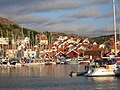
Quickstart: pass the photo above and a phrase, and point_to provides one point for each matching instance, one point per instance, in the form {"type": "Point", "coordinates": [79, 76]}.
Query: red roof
{"type": "Point", "coordinates": [42, 36]}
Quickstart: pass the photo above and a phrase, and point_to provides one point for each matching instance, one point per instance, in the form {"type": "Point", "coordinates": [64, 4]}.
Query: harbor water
{"type": "Point", "coordinates": [53, 77]}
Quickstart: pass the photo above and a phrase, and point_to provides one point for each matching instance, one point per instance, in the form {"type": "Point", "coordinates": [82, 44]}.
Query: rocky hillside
{"type": "Point", "coordinates": [6, 22]}
{"type": "Point", "coordinates": [7, 28]}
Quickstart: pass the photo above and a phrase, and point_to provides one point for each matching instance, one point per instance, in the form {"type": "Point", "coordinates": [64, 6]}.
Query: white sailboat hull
{"type": "Point", "coordinates": [101, 72]}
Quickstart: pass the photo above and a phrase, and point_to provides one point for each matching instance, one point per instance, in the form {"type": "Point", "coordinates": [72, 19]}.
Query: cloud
{"type": "Point", "coordinates": [25, 7]}
{"type": "Point", "coordinates": [28, 13]}
{"type": "Point", "coordinates": [75, 28]}
{"type": "Point", "coordinates": [98, 2]}
{"type": "Point", "coordinates": [108, 15]}
{"type": "Point", "coordinates": [29, 19]}
{"type": "Point", "coordinates": [59, 21]}
{"type": "Point", "coordinates": [18, 7]}
{"type": "Point", "coordinates": [86, 13]}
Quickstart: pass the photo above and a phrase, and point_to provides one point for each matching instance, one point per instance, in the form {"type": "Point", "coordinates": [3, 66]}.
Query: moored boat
{"type": "Point", "coordinates": [49, 62]}
{"type": "Point", "coordinates": [103, 68]}
{"type": "Point", "coordinates": [84, 62]}
{"type": "Point", "coordinates": [72, 74]}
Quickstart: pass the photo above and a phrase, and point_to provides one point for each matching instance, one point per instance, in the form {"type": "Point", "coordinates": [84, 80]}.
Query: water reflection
{"type": "Point", "coordinates": [41, 70]}
{"type": "Point", "coordinates": [99, 79]}
{"type": "Point", "coordinates": [99, 83]}
{"type": "Point", "coordinates": [42, 77]}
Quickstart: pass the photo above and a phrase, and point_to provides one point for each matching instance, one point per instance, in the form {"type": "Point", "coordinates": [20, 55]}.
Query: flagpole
{"type": "Point", "coordinates": [114, 26]}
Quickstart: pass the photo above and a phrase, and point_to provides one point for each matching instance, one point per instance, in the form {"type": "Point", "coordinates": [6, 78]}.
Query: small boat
{"type": "Point", "coordinates": [84, 62]}
{"type": "Point", "coordinates": [73, 62]}
{"type": "Point", "coordinates": [50, 62]}
{"type": "Point", "coordinates": [4, 61]}
{"type": "Point", "coordinates": [13, 61]}
{"type": "Point", "coordinates": [63, 62]}
{"type": "Point", "coordinates": [72, 74]}
{"type": "Point", "coordinates": [79, 61]}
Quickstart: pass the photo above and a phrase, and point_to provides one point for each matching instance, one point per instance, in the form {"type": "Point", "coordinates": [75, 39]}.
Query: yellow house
{"type": "Point", "coordinates": [11, 53]}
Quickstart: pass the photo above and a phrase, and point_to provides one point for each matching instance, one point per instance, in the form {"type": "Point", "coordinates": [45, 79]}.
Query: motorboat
{"type": "Point", "coordinates": [13, 61]}
{"type": "Point", "coordinates": [4, 60]}
{"type": "Point", "coordinates": [63, 60]}
{"type": "Point", "coordinates": [79, 61]}
{"type": "Point", "coordinates": [50, 62]}
{"type": "Point", "coordinates": [103, 68]}
{"type": "Point", "coordinates": [72, 74]}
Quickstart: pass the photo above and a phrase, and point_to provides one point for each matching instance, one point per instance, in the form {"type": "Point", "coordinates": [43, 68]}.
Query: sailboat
{"type": "Point", "coordinates": [105, 67]}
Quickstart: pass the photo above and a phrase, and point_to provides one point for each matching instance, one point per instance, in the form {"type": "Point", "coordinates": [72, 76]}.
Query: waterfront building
{"type": "Point", "coordinates": [42, 39]}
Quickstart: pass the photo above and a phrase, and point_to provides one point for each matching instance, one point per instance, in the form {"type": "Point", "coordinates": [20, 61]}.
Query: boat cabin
{"type": "Point", "coordinates": [103, 62]}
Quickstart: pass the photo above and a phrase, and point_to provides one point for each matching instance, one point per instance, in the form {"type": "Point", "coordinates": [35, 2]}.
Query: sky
{"type": "Point", "coordinates": [83, 17]}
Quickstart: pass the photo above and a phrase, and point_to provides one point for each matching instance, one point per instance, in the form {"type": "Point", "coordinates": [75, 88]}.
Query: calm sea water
{"type": "Point", "coordinates": [53, 78]}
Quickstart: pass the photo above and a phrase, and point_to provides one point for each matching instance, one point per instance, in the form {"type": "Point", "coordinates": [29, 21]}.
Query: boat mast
{"type": "Point", "coordinates": [114, 26]}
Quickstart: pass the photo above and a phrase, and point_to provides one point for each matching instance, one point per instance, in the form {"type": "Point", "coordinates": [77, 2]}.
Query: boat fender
{"type": "Point", "coordinates": [107, 67]}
